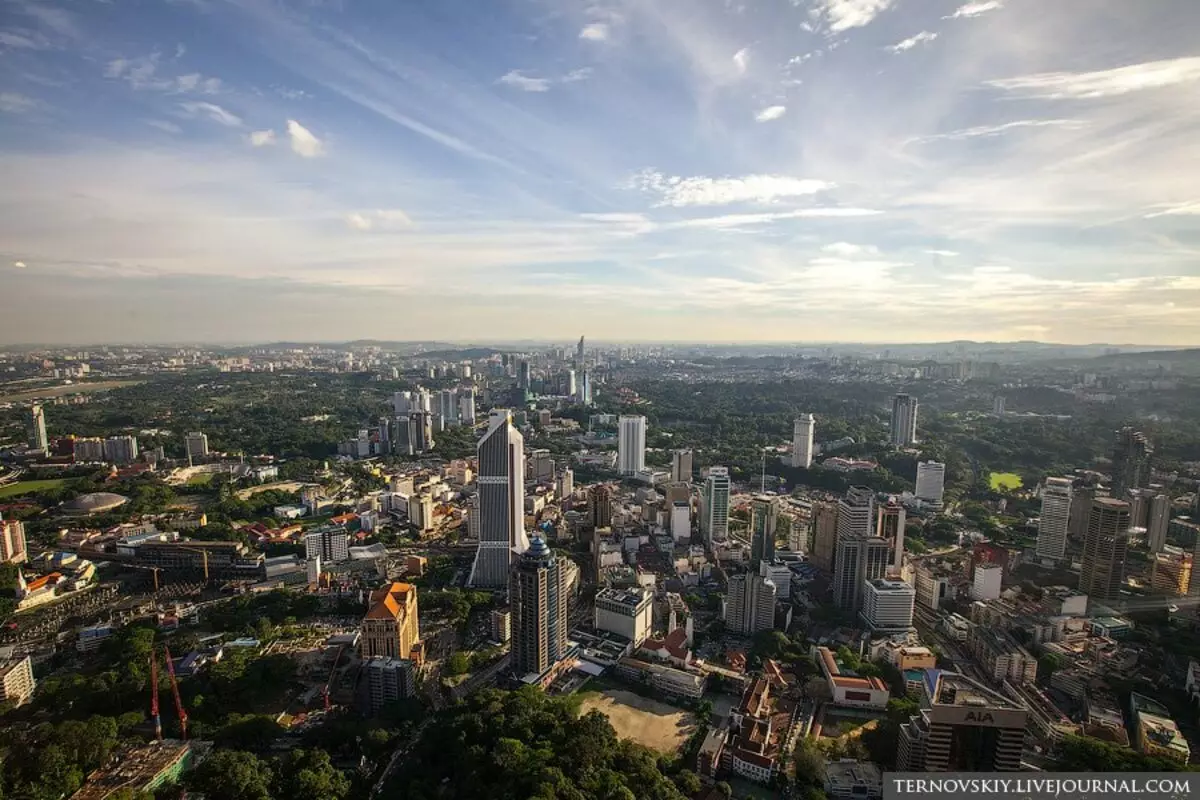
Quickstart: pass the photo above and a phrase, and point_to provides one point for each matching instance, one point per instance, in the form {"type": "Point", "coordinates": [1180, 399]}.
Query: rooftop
{"type": "Point", "coordinates": [390, 603]}
{"type": "Point", "coordinates": [626, 597]}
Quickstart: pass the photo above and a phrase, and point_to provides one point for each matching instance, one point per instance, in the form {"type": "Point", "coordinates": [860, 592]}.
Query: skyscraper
{"type": "Point", "coordinates": [931, 482]}
{"type": "Point", "coordinates": [750, 607]}
{"type": "Point", "coordinates": [859, 556]}
{"type": "Point", "coordinates": [681, 466]}
{"type": "Point", "coordinates": [824, 536]}
{"type": "Point", "coordinates": [889, 526]}
{"type": "Point", "coordinates": [1104, 549]}
{"type": "Point", "coordinates": [523, 375]}
{"type": "Point", "coordinates": [197, 445]}
{"type": "Point", "coordinates": [538, 595]}
{"type": "Point", "coordinates": [466, 405]}
{"type": "Point", "coordinates": [802, 440]}
{"type": "Point", "coordinates": [1055, 520]}
{"type": "Point", "coordinates": [631, 445]}
{"type": "Point", "coordinates": [764, 513]}
{"type": "Point", "coordinates": [600, 506]}
{"type": "Point", "coordinates": [38, 440]}
{"type": "Point", "coordinates": [1131, 461]}
{"type": "Point", "coordinates": [501, 483]}
{"type": "Point", "coordinates": [121, 449]}
{"type": "Point", "coordinates": [904, 420]}
{"type": "Point", "coordinates": [714, 511]}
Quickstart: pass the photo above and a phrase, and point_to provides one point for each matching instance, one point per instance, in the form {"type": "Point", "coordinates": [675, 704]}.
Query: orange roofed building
{"type": "Point", "coordinates": [390, 627]}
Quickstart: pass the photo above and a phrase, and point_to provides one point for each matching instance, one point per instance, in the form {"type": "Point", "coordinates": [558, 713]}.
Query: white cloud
{"type": "Point", "coordinates": [702, 191]}
{"type": "Point", "coordinates": [912, 41]}
{"type": "Point", "coordinates": [770, 113]}
{"type": "Point", "coordinates": [385, 217]}
{"type": "Point", "coordinates": [727, 221]}
{"type": "Point", "coordinates": [842, 15]}
{"type": "Point", "coordinates": [23, 41]}
{"type": "Point", "coordinates": [741, 60]}
{"type": "Point", "coordinates": [304, 143]}
{"type": "Point", "coordinates": [1104, 83]}
{"type": "Point", "coordinates": [262, 138]}
{"type": "Point", "coordinates": [946, 253]}
{"type": "Point", "coordinates": [163, 125]}
{"type": "Point", "coordinates": [19, 264]}
{"type": "Point", "coordinates": [212, 111]}
{"type": "Point", "coordinates": [975, 9]}
{"type": "Point", "coordinates": [581, 74]}
{"type": "Point", "coordinates": [847, 250]}
{"type": "Point", "coordinates": [1183, 209]}
{"type": "Point", "coordinates": [996, 130]}
{"type": "Point", "coordinates": [16, 103]}
{"type": "Point", "coordinates": [142, 73]}
{"type": "Point", "coordinates": [518, 80]}
{"type": "Point", "coordinates": [394, 216]}
{"type": "Point", "coordinates": [595, 32]}
{"type": "Point", "coordinates": [358, 222]}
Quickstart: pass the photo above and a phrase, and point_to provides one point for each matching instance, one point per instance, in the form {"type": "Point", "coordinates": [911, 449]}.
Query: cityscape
{"type": "Point", "coordinates": [358, 570]}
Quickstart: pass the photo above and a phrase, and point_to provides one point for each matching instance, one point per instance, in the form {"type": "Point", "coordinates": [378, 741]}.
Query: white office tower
{"type": "Point", "coordinates": [466, 405]}
{"type": "Point", "coordinates": [888, 605]}
{"type": "Point", "coordinates": [423, 400]}
{"type": "Point", "coordinates": [714, 512]}
{"type": "Point", "coordinates": [197, 445]}
{"type": "Point", "coordinates": [1056, 519]}
{"type": "Point", "coordinates": [564, 483]}
{"type": "Point", "coordinates": [631, 445]}
{"type": "Point", "coordinates": [681, 466]}
{"type": "Point", "coordinates": [750, 607]}
{"type": "Point", "coordinates": [403, 402]}
{"type": "Point", "coordinates": [988, 578]}
{"type": "Point", "coordinates": [38, 440]}
{"type": "Point", "coordinates": [501, 485]}
{"type": "Point", "coordinates": [931, 482]}
{"type": "Point", "coordinates": [802, 440]}
{"type": "Point", "coordinates": [904, 420]}
{"type": "Point", "coordinates": [331, 544]}
{"type": "Point", "coordinates": [448, 406]}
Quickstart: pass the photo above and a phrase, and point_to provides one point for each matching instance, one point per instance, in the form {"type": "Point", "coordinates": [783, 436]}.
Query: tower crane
{"type": "Point", "coordinates": [154, 696]}
{"type": "Point", "coordinates": [329, 682]}
{"type": "Point", "coordinates": [183, 718]}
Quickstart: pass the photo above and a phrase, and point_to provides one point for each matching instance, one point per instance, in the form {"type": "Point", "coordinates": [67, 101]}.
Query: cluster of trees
{"type": "Point", "coordinates": [241, 775]}
{"type": "Point", "coordinates": [456, 603]}
{"type": "Point", "coordinates": [1084, 754]}
{"type": "Point", "coordinates": [50, 761]}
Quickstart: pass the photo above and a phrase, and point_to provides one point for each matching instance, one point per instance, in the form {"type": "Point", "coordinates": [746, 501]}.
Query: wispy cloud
{"type": "Point", "coordinates": [770, 113]}
{"type": "Point", "coordinates": [358, 222]}
{"type": "Point", "coordinates": [262, 138]}
{"type": "Point", "coordinates": [387, 218]}
{"type": "Point", "coordinates": [945, 253]}
{"type": "Point", "coordinates": [519, 80]}
{"type": "Point", "coordinates": [143, 73]}
{"type": "Point", "coordinates": [16, 103]}
{"type": "Point", "coordinates": [968, 10]}
{"type": "Point", "coordinates": [741, 60]}
{"type": "Point", "coordinates": [304, 143]}
{"type": "Point", "coordinates": [996, 130]}
{"type": "Point", "coordinates": [595, 32]}
{"type": "Point", "coordinates": [212, 111]}
{"type": "Point", "coordinates": [746, 220]}
{"type": "Point", "coordinates": [1104, 83]}
{"type": "Point", "coordinates": [848, 250]}
{"type": "Point", "coordinates": [702, 191]}
{"type": "Point", "coordinates": [163, 125]}
{"type": "Point", "coordinates": [842, 15]}
{"type": "Point", "coordinates": [22, 40]}
{"type": "Point", "coordinates": [924, 37]}
{"type": "Point", "coordinates": [1183, 209]}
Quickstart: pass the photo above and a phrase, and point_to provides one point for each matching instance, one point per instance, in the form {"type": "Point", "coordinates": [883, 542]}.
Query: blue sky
{"type": "Point", "coordinates": [816, 170]}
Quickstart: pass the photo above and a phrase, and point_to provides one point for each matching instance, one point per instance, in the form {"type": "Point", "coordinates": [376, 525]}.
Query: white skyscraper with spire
{"type": "Point", "coordinates": [501, 502]}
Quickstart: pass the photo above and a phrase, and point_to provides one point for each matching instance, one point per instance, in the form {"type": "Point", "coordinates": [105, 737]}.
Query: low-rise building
{"type": "Point", "coordinates": [144, 768]}
{"type": "Point", "coordinates": [668, 680]}
{"type": "Point", "coordinates": [848, 779]}
{"type": "Point", "coordinates": [626, 612]}
{"type": "Point", "coordinates": [1155, 733]}
{"type": "Point", "coordinates": [847, 687]}
{"type": "Point", "coordinates": [760, 731]}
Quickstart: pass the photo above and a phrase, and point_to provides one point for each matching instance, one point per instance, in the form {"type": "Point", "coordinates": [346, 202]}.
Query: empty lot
{"type": "Point", "coordinates": [656, 725]}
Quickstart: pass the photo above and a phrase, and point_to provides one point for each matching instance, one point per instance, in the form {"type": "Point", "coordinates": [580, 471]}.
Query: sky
{"type": "Point", "coordinates": [666, 170]}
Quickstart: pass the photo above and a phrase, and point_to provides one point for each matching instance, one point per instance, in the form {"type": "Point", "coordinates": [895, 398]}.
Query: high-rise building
{"type": "Point", "coordinates": [13, 548]}
{"type": "Point", "coordinates": [856, 513]}
{"type": "Point", "coordinates": [998, 404]}
{"type": "Point", "coordinates": [714, 511]}
{"type": "Point", "coordinates": [631, 445]}
{"type": "Point", "coordinates": [802, 440]}
{"type": "Point", "coordinates": [38, 439]}
{"type": "Point", "coordinates": [904, 420]}
{"type": "Point", "coordinates": [750, 607]}
{"type": "Point", "coordinates": [466, 405]}
{"type": "Point", "coordinates": [540, 465]}
{"type": "Point", "coordinates": [564, 482]}
{"type": "Point", "coordinates": [764, 514]}
{"type": "Point", "coordinates": [538, 594]}
{"type": "Point", "coordinates": [386, 680]}
{"type": "Point", "coordinates": [1104, 549]}
{"type": "Point", "coordinates": [931, 482]}
{"type": "Point", "coordinates": [330, 543]}
{"type": "Point", "coordinates": [447, 401]}
{"type": "Point", "coordinates": [988, 581]}
{"type": "Point", "coordinates": [600, 506]}
{"type": "Point", "coordinates": [89, 449]}
{"type": "Point", "coordinates": [856, 562]}
{"type": "Point", "coordinates": [121, 449]}
{"type": "Point", "coordinates": [889, 526]}
{"type": "Point", "coordinates": [963, 727]}
{"type": "Point", "coordinates": [501, 484]}
{"type": "Point", "coordinates": [1131, 461]}
{"type": "Point", "coordinates": [681, 466]}
{"type": "Point", "coordinates": [1081, 511]}
{"type": "Point", "coordinates": [888, 605]}
{"type": "Point", "coordinates": [390, 627]}
{"type": "Point", "coordinates": [1150, 509]}
{"type": "Point", "coordinates": [16, 680]}
{"type": "Point", "coordinates": [1171, 571]}
{"type": "Point", "coordinates": [420, 429]}
{"type": "Point", "coordinates": [197, 445]}
{"type": "Point", "coordinates": [824, 534]}
{"type": "Point", "coordinates": [523, 375]}
{"type": "Point", "coordinates": [1055, 520]}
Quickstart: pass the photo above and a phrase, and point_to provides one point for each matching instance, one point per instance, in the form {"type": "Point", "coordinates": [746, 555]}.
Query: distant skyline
{"type": "Point", "coordinates": [855, 171]}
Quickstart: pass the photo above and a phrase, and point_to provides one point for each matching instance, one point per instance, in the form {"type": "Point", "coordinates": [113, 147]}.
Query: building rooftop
{"type": "Point", "coordinates": [626, 597]}
{"type": "Point", "coordinates": [390, 603]}
{"type": "Point", "coordinates": [955, 689]}
{"type": "Point", "coordinates": [886, 585]}
{"type": "Point", "coordinates": [95, 503]}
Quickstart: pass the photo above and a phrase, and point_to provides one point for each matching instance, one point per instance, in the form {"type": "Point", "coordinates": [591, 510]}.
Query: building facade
{"type": "Point", "coordinates": [764, 515]}
{"type": "Point", "coordinates": [538, 595]}
{"type": "Point", "coordinates": [501, 483]}
{"type": "Point", "coordinates": [803, 430]}
{"type": "Point", "coordinates": [1055, 520]}
{"type": "Point", "coordinates": [625, 612]}
{"type": "Point", "coordinates": [904, 420]}
{"type": "Point", "coordinates": [390, 627]}
{"type": "Point", "coordinates": [631, 444]}
{"type": "Point", "coordinates": [888, 605]}
{"type": "Point", "coordinates": [931, 482]}
{"type": "Point", "coordinates": [750, 606]}
{"type": "Point", "coordinates": [1105, 549]}
{"type": "Point", "coordinates": [714, 514]}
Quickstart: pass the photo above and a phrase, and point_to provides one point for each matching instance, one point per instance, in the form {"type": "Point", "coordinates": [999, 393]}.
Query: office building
{"type": "Point", "coordinates": [564, 483]}
{"type": "Point", "coordinates": [538, 595]}
{"type": "Point", "coordinates": [391, 627]}
{"type": "Point", "coordinates": [889, 526]}
{"type": "Point", "coordinates": [681, 466]}
{"type": "Point", "coordinates": [38, 439]}
{"type": "Point", "coordinates": [121, 449]}
{"type": "Point", "coordinates": [631, 445]}
{"type": "Point", "coordinates": [963, 726]}
{"type": "Point", "coordinates": [625, 612]}
{"type": "Point", "coordinates": [501, 485]}
{"type": "Point", "coordinates": [420, 512]}
{"type": "Point", "coordinates": [802, 440]}
{"type": "Point", "coordinates": [998, 405]}
{"type": "Point", "coordinates": [987, 582]}
{"type": "Point", "coordinates": [600, 506]}
{"type": "Point", "coordinates": [750, 606]}
{"type": "Point", "coordinates": [824, 535]}
{"type": "Point", "coordinates": [466, 405]}
{"type": "Point", "coordinates": [856, 513]}
{"type": "Point", "coordinates": [1081, 511]}
{"type": "Point", "coordinates": [931, 482]}
{"type": "Point", "coordinates": [764, 514]}
{"type": "Point", "coordinates": [1104, 549]}
{"type": "Point", "coordinates": [932, 587]}
{"type": "Point", "coordinates": [904, 420]}
{"type": "Point", "coordinates": [13, 549]}
{"type": "Point", "coordinates": [197, 446]}
{"type": "Point", "coordinates": [523, 381]}
{"type": "Point", "coordinates": [385, 680]}
{"type": "Point", "coordinates": [714, 506]}
{"type": "Point", "coordinates": [1055, 520]}
{"type": "Point", "coordinates": [857, 561]}
{"type": "Point", "coordinates": [888, 605]}
{"type": "Point", "coordinates": [1150, 509]}
{"type": "Point", "coordinates": [88, 449]}
{"type": "Point", "coordinates": [16, 680]}
{"type": "Point", "coordinates": [1171, 571]}
{"type": "Point", "coordinates": [330, 543]}
{"type": "Point", "coordinates": [501, 625]}
{"type": "Point", "coordinates": [1131, 461]}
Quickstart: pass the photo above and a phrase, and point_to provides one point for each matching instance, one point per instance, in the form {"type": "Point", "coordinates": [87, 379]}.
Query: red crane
{"type": "Point", "coordinates": [336, 659]}
{"type": "Point", "coordinates": [154, 696]}
{"type": "Point", "coordinates": [183, 718]}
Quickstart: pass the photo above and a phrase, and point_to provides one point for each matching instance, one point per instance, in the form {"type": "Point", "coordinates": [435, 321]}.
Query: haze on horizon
{"type": "Point", "coordinates": [656, 170]}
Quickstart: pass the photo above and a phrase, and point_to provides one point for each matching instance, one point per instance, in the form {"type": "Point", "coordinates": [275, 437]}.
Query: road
{"type": "Point", "coordinates": [397, 757]}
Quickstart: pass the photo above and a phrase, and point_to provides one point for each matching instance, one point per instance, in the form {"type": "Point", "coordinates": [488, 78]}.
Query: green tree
{"type": "Point", "coordinates": [457, 664]}
{"type": "Point", "coordinates": [309, 773]}
{"type": "Point", "coordinates": [232, 775]}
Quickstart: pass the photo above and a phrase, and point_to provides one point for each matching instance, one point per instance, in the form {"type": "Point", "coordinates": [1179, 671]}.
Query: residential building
{"type": "Point", "coordinates": [1171, 571]}
{"type": "Point", "coordinates": [631, 445]}
{"type": "Point", "coordinates": [904, 420]}
{"type": "Point", "coordinates": [1104, 549]}
{"type": "Point", "coordinates": [888, 605]}
{"type": "Point", "coordinates": [38, 439]}
{"type": "Point", "coordinates": [714, 509]}
{"type": "Point", "coordinates": [330, 543]}
{"type": "Point", "coordinates": [802, 440]}
{"type": "Point", "coordinates": [625, 612]}
{"type": "Point", "coordinates": [986, 584]}
{"type": "Point", "coordinates": [681, 466]}
{"type": "Point", "coordinates": [764, 514]}
{"type": "Point", "coordinates": [847, 779]}
{"type": "Point", "coordinates": [385, 680]}
{"type": "Point", "coordinates": [1000, 655]}
{"type": "Point", "coordinates": [501, 623]}
{"type": "Point", "coordinates": [931, 482]}
{"type": "Point", "coordinates": [501, 482]}
{"type": "Point", "coordinates": [13, 549]}
{"type": "Point", "coordinates": [824, 535]}
{"type": "Point", "coordinates": [391, 626]}
{"type": "Point", "coordinates": [1055, 520]}
{"type": "Point", "coordinates": [889, 526]}
{"type": "Point", "coordinates": [420, 511]}
{"type": "Point", "coordinates": [197, 446]}
{"type": "Point", "coordinates": [600, 506]}
{"type": "Point", "coordinates": [538, 594]}
{"type": "Point", "coordinates": [1131, 461]}
{"type": "Point", "coordinates": [121, 449]}
{"type": "Point", "coordinates": [963, 726]}
{"type": "Point", "coordinates": [1150, 509]}
{"type": "Point", "coordinates": [932, 587]}
{"type": "Point", "coordinates": [88, 449]}
{"type": "Point", "coordinates": [750, 606]}
{"type": "Point", "coordinates": [16, 680]}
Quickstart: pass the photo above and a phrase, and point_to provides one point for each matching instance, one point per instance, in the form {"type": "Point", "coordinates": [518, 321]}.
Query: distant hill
{"type": "Point", "coordinates": [1189, 355]}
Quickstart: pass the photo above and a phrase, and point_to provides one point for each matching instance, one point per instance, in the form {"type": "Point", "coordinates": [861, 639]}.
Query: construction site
{"type": "Point", "coordinates": [143, 768]}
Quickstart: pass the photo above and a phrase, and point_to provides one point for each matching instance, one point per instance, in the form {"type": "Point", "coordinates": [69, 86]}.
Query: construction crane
{"type": "Point", "coordinates": [154, 696]}
{"type": "Point", "coordinates": [175, 690]}
{"type": "Point", "coordinates": [336, 659]}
